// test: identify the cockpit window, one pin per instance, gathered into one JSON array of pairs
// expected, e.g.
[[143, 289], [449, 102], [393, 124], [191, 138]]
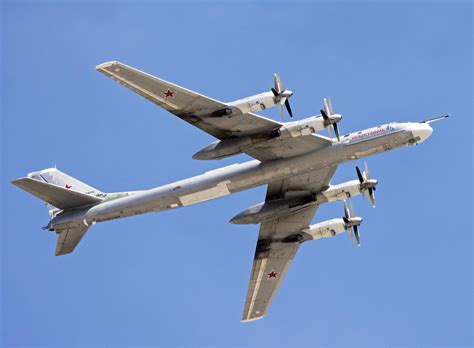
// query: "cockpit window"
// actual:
[[392, 126]]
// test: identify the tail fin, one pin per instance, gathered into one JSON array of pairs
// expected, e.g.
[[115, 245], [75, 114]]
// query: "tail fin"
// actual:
[[60, 192], [58, 189]]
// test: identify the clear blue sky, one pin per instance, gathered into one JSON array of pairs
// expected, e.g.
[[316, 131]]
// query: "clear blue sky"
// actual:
[[179, 278]]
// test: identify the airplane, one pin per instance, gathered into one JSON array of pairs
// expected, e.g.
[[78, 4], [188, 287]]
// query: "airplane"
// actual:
[[293, 161]]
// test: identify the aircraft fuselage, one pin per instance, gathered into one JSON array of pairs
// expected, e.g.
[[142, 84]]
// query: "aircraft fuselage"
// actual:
[[237, 177]]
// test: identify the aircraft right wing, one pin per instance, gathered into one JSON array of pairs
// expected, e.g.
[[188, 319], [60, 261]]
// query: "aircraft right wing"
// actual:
[[279, 240], [273, 257]]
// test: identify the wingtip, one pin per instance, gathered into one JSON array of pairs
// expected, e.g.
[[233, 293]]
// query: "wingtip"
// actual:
[[106, 65], [14, 182], [252, 319], [17, 181]]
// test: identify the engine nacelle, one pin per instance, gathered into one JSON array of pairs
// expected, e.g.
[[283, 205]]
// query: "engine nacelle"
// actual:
[[271, 210], [304, 127], [223, 148], [254, 103], [339, 192], [326, 229]]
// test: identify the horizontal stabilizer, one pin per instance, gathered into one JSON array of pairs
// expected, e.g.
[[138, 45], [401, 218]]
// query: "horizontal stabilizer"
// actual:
[[57, 196], [69, 238]]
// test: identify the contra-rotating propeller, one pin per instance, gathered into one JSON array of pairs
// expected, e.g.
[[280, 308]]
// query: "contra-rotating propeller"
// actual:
[[330, 117], [367, 185], [352, 222], [281, 95]]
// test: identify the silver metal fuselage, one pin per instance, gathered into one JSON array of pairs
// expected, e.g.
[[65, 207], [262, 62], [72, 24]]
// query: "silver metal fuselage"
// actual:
[[238, 177]]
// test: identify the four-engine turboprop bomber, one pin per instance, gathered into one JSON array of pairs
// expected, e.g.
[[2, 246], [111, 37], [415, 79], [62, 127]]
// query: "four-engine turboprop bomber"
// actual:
[[295, 163]]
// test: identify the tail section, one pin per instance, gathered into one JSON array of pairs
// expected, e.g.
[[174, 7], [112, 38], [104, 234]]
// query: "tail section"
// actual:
[[61, 192], [58, 189]]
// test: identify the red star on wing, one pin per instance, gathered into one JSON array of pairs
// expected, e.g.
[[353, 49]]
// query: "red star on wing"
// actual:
[[272, 274], [68, 186], [169, 93]]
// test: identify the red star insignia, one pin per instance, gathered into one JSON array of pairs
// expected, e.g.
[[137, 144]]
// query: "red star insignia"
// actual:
[[68, 186], [272, 274], [169, 93]]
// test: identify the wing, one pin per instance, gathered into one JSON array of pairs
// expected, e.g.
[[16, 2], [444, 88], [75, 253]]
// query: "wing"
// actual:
[[190, 106], [276, 246], [197, 109]]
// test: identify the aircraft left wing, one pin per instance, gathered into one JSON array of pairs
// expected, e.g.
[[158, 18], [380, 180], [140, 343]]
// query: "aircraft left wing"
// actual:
[[192, 107], [277, 241]]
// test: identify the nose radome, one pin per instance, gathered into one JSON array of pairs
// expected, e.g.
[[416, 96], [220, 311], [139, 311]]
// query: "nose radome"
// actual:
[[422, 131]]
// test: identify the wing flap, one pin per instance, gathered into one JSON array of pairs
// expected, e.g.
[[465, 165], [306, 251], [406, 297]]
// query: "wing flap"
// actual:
[[57, 196]]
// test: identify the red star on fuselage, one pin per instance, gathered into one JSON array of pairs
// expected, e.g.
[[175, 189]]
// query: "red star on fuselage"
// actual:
[[169, 93], [272, 274]]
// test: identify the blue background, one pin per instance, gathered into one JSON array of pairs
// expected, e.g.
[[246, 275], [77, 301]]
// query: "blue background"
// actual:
[[179, 278]]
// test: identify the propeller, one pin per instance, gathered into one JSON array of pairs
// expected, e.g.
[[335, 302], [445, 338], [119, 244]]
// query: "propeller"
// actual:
[[330, 118], [352, 223], [367, 185], [281, 95]]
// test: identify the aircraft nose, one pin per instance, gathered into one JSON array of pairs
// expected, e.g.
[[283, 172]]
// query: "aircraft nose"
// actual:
[[421, 132]]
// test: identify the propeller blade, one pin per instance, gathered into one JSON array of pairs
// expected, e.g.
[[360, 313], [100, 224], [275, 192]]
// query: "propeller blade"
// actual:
[[330, 132], [351, 208], [287, 104], [324, 114], [347, 214], [326, 107], [275, 93], [331, 110], [336, 130], [356, 233], [359, 175], [372, 197], [346, 218], [278, 85], [280, 110], [366, 172]]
